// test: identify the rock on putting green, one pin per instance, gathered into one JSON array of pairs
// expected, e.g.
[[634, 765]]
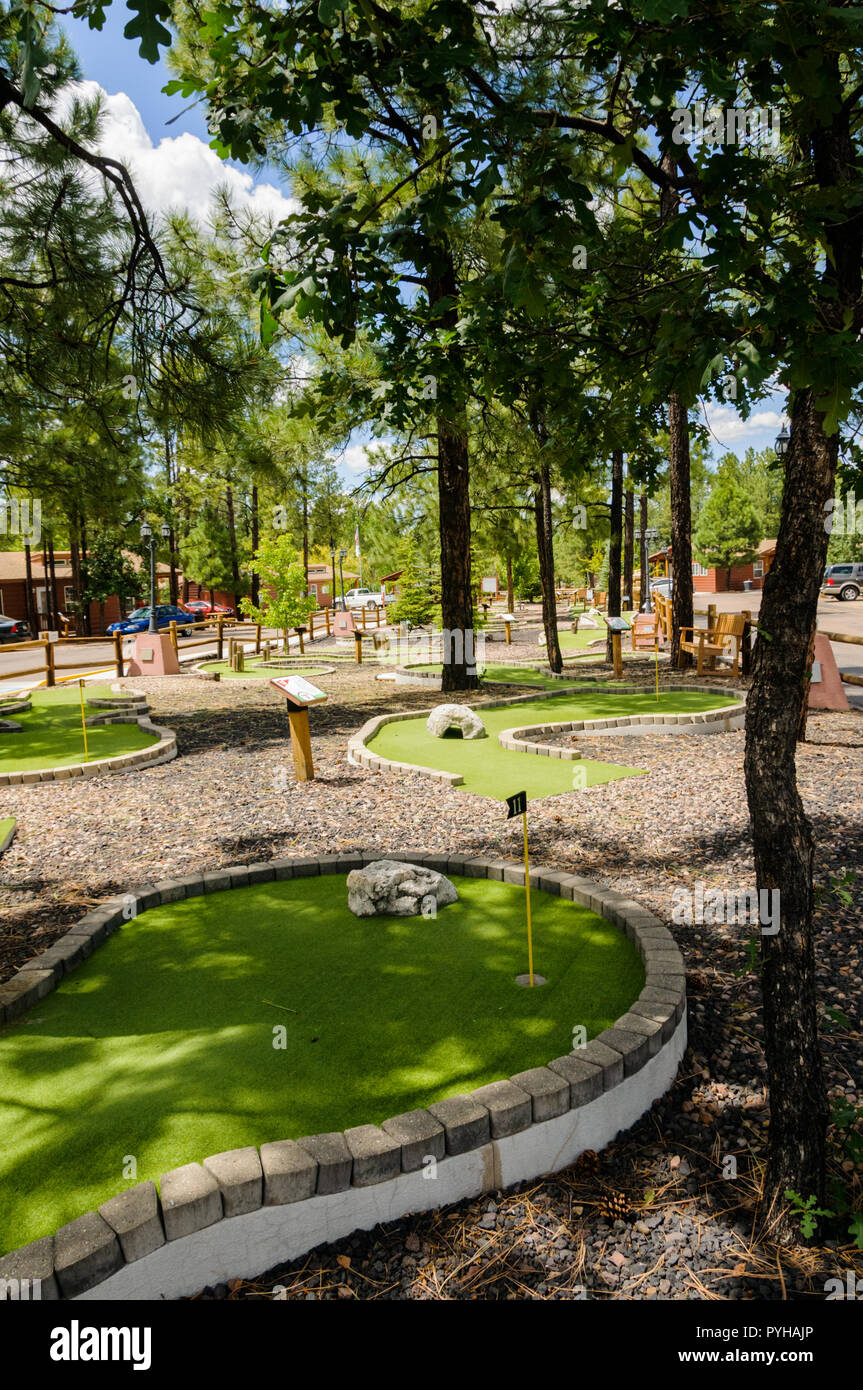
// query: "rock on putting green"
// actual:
[[271, 1012]]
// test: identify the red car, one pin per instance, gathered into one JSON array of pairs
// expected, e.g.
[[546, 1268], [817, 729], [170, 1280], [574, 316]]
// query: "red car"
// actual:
[[201, 609]]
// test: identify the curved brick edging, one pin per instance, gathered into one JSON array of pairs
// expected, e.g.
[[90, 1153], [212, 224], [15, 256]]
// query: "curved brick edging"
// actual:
[[712, 721], [359, 755], [284, 665], [292, 1195], [133, 710]]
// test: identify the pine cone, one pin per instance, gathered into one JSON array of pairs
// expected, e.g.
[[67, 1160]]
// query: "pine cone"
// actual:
[[588, 1162], [614, 1206]]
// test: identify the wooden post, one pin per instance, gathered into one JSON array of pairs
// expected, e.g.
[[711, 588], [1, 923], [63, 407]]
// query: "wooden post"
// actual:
[[508, 630], [311, 627], [746, 643], [377, 616], [173, 630], [300, 635], [363, 615], [301, 744], [257, 639], [711, 615], [118, 653], [327, 619], [220, 648], [49, 661], [358, 639], [617, 654]]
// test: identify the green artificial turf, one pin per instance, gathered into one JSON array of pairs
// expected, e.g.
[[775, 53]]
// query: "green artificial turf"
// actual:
[[269, 672], [7, 825], [490, 770], [51, 736], [505, 675], [161, 1045]]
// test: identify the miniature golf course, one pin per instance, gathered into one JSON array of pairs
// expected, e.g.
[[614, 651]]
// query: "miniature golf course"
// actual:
[[502, 675], [490, 770], [50, 733], [161, 1044], [222, 669]]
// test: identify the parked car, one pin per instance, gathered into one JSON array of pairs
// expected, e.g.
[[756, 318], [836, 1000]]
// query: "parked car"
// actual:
[[139, 621], [13, 630], [843, 581], [200, 609], [363, 598]]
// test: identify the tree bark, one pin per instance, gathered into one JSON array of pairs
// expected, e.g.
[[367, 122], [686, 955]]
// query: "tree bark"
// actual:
[[643, 546], [232, 540], [75, 566], [170, 479], [453, 476], [256, 583], [781, 833], [545, 546], [628, 542], [681, 528], [29, 601], [510, 592], [52, 586], [615, 543], [88, 626]]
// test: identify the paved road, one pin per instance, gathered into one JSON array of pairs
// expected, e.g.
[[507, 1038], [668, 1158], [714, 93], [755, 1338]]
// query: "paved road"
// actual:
[[833, 616]]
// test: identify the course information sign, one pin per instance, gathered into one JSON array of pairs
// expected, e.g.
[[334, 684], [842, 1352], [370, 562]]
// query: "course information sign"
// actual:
[[299, 691]]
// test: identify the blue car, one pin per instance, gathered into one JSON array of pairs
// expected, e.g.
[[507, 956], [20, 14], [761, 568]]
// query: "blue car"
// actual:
[[139, 621]]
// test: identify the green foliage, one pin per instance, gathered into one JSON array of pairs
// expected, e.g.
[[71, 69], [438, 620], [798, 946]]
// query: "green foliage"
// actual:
[[728, 530], [108, 571], [285, 601], [526, 582], [415, 604]]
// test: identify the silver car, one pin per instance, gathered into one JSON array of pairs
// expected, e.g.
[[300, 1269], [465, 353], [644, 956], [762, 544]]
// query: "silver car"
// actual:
[[843, 581]]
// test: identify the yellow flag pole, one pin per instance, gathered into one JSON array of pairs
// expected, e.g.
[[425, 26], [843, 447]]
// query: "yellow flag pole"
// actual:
[[83, 722], [527, 898]]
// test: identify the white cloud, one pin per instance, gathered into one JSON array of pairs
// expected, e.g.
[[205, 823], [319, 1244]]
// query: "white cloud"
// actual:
[[181, 172], [355, 458], [726, 424]]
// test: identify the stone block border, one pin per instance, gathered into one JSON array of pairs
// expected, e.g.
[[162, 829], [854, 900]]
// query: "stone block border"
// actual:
[[242, 1211], [120, 709], [727, 717], [284, 666], [6, 840]]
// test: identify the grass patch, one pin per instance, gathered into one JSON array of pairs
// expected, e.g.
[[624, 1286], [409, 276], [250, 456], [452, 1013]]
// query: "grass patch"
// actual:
[[490, 770], [504, 675], [50, 734], [161, 1045], [7, 825], [269, 672]]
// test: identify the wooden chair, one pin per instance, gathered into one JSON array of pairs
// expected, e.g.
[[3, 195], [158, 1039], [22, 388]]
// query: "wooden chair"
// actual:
[[645, 631], [708, 644]]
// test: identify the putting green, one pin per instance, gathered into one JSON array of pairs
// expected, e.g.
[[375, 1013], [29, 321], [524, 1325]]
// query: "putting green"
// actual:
[[269, 672], [7, 825], [490, 770], [162, 1046], [51, 736]]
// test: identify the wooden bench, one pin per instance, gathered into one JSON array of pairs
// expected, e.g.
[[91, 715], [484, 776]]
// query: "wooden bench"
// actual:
[[708, 644]]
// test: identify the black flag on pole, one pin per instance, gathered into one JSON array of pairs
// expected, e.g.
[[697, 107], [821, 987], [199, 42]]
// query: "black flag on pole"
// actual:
[[517, 804]]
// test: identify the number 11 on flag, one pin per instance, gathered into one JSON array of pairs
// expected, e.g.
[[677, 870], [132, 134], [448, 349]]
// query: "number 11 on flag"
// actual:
[[518, 805]]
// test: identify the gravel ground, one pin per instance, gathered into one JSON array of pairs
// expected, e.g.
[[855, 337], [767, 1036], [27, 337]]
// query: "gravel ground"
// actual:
[[230, 798]]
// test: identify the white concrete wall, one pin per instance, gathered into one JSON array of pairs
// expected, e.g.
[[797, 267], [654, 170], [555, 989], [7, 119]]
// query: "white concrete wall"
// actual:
[[244, 1246]]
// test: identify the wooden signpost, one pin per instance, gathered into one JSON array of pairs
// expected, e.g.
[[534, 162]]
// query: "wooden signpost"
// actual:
[[617, 627], [300, 694]]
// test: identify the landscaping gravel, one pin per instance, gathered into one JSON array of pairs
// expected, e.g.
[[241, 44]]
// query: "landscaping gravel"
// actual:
[[230, 797]]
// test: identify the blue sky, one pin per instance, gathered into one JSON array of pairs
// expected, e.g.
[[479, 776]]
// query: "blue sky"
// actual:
[[174, 163]]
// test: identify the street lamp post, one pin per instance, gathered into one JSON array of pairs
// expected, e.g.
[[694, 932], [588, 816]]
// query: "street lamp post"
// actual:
[[148, 538], [649, 534], [342, 554]]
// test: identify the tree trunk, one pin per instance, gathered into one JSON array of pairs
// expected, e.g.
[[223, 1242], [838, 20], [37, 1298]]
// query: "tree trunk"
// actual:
[[29, 600], [804, 703], [545, 546], [612, 607], [75, 566], [453, 476], [628, 543], [781, 833], [256, 583], [510, 592], [645, 577], [173, 586], [681, 528], [52, 586], [88, 626], [232, 540]]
